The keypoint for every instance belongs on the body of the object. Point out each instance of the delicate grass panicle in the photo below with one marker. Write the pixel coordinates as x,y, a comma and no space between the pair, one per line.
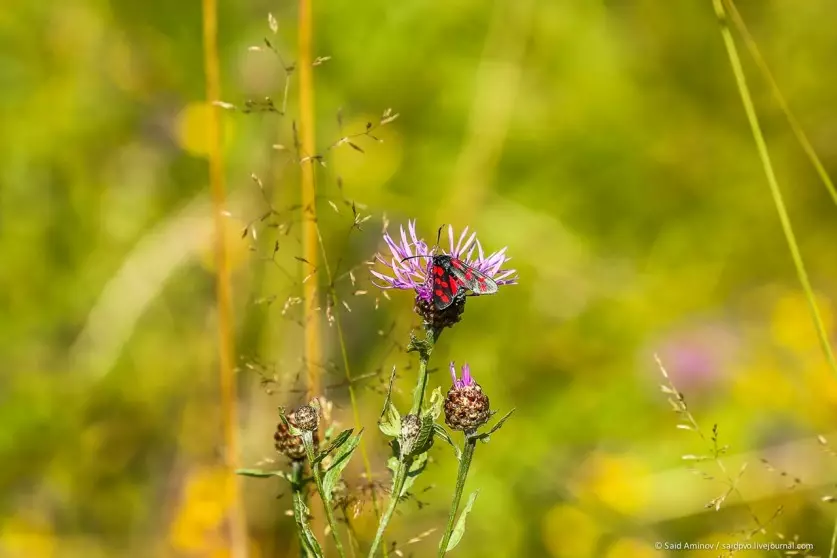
712,452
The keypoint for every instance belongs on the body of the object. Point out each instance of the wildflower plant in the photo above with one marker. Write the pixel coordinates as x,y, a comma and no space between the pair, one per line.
441,279
440,296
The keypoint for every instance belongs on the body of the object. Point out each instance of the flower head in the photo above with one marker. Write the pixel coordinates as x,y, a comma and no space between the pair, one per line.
410,263
289,445
466,406
305,418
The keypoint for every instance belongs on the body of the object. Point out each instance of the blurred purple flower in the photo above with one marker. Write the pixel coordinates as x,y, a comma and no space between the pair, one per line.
414,273
466,381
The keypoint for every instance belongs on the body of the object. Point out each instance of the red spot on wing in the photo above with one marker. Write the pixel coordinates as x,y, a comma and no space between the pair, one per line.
453,286
457,264
437,270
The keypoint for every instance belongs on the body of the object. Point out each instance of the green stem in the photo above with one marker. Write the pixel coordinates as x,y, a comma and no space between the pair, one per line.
464,465
424,348
399,478
306,549
761,146
308,441
833,540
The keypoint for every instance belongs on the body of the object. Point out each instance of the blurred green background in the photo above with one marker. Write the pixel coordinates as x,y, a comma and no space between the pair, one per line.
603,142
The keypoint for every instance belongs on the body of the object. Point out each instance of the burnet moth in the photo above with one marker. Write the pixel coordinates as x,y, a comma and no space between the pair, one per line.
452,278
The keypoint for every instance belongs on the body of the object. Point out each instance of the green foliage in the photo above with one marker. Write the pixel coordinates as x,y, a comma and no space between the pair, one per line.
459,529
338,463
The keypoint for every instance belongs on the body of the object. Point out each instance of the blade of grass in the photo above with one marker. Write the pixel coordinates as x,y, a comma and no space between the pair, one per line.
833,540
309,208
761,146
783,104
229,410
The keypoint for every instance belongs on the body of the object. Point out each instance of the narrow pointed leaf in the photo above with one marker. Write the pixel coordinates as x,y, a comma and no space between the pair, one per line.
459,529
260,473
341,459
440,431
339,441
301,514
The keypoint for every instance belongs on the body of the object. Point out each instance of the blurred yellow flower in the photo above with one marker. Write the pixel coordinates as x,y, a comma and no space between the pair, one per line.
616,480
792,324
761,385
201,512
22,537
634,548
568,532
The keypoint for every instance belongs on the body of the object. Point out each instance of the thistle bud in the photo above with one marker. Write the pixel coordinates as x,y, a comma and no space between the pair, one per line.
410,427
289,445
305,418
416,434
466,406
440,319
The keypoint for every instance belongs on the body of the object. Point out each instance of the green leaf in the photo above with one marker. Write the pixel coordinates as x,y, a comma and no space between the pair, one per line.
485,436
459,529
417,466
339,441
425,435
341,459
307,538
440,431
390,421
388,398
437,402
259,473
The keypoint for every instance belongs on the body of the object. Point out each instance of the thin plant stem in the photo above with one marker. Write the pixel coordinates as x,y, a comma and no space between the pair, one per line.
308,442
309,208
761,146
424,348
833,540
399,478
345,354
461,476
783,104
299,495
226,345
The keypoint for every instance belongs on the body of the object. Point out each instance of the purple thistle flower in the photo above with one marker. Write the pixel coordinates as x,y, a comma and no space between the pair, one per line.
466,406
414,273
466,381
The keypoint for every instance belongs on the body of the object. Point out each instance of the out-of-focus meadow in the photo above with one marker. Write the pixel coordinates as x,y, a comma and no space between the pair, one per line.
603,142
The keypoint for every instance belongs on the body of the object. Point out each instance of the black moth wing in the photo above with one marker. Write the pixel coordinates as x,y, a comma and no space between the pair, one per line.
473,280
446,289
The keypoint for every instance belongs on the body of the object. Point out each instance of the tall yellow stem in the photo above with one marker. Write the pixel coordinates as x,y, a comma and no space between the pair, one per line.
309,208
226,345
